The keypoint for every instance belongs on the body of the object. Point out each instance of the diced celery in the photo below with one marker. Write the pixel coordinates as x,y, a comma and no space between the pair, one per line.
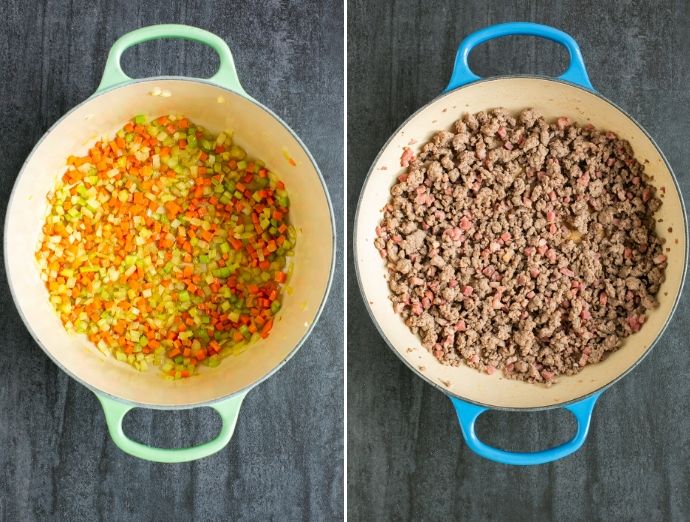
222,272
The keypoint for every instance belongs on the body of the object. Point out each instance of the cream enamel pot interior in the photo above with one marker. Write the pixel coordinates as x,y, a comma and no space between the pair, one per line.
572,95
219,104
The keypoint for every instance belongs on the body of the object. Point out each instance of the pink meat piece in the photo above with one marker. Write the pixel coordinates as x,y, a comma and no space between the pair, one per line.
547,375
562,122
465,223
407,157
634,323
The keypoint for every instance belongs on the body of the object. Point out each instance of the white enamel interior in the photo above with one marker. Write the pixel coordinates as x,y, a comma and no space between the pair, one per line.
553,99
263,136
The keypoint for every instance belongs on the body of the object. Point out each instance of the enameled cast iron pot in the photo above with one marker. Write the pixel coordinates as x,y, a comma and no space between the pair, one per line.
572,95
218,103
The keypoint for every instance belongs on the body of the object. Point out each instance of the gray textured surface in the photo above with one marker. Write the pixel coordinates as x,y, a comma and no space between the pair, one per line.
406,459
285,460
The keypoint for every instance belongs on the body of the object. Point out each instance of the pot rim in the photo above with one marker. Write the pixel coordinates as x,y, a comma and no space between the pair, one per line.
331,271
531,408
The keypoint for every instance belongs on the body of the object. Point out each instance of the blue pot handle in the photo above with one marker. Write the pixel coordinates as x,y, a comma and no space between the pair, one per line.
462,74
468,413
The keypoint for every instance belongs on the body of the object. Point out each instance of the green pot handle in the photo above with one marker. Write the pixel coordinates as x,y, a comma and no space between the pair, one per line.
115,412
226,76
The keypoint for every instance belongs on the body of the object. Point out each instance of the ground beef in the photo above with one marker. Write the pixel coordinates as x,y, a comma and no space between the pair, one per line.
523,245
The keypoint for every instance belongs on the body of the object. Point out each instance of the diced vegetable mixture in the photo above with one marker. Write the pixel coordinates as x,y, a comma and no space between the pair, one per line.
167,246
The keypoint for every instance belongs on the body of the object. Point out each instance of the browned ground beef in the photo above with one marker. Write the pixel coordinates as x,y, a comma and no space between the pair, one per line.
521,245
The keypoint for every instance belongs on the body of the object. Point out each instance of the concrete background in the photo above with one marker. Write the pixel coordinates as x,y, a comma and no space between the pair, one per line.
285,461
406,457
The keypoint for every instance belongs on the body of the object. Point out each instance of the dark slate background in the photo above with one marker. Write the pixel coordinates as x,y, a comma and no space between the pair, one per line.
285,460
406,458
